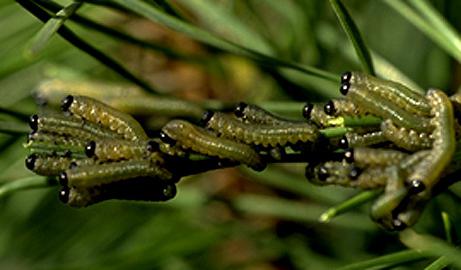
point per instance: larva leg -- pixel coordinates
(375, 104)
(407, 139)
(100, 113)
(199, 140)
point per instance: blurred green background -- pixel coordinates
(227, 219)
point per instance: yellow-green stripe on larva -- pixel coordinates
(114, 150)
(97, 112)
(69, 126)
(201, 141)
(364, 156)
(397, 93)
(428, 171)
(94, 175)
(254, 114)
(229, 127)
(375, 104)
(406, 138)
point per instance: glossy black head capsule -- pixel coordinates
(349, 155)
(63, 181)
(355, 173)
(343, 143)
(322, 173)
(152, 146)
(169, 192)
(166, 139)
(90, 149)
(307, 110)
(346, 77)
(64, 194)
(344, 88)
(416, 186)
(398, 225)
(239, 109)
(206, 117)
(33, 122)
(329, 108)
(30, 162)
(66, 103)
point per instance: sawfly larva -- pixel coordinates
(188, 136)
(97, 112)
(407, 139)
(291, 133)
(100, 174)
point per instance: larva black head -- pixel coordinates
(169, 192)
(63, 181)
(33, 122)
(166, 139)
(239, 109)
(206, 117)
(346, 77)
(64, 194)
(90, 149)
(343, 143)
(66, 102)
(344, 89)
(30, 162)
(349, 155)
(322, 173)
(307, 110)
(329, 108)
(398, 225)
(73, 165)
(416, 186)
(152, 146)
(259, 167)
(355, 173)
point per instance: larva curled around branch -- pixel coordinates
(104, 115)
(138, 189)
(190, 137)
(290, 133)
(100, 174)
(397, 93)
(373, 103)
(407, 139)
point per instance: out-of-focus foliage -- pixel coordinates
(286, 50)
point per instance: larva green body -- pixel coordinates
(264, 135)
(138, 189)
(253, 114)
(52, 148)
(353, 139)
(115, 150)
(405, 138)
(342, 107)
(375, 104)
(52, 165)
(199, 140)
(364, 157)
(100, 113)
(149, 106)
(429, 170)
(69, 126)
(397, 93)
(54, 139)
(100, 174)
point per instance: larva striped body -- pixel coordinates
(404, 138)
(199, 140)
(100, 113)
(229, 127)
(397, 93)
(352, 139)
(364, 157)
(115, 150)
(52, 165)
(373, 103)
(428, 171)
(53, 148)
(253, 114)
(100, 174)
(143, 189)
(69, 126)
